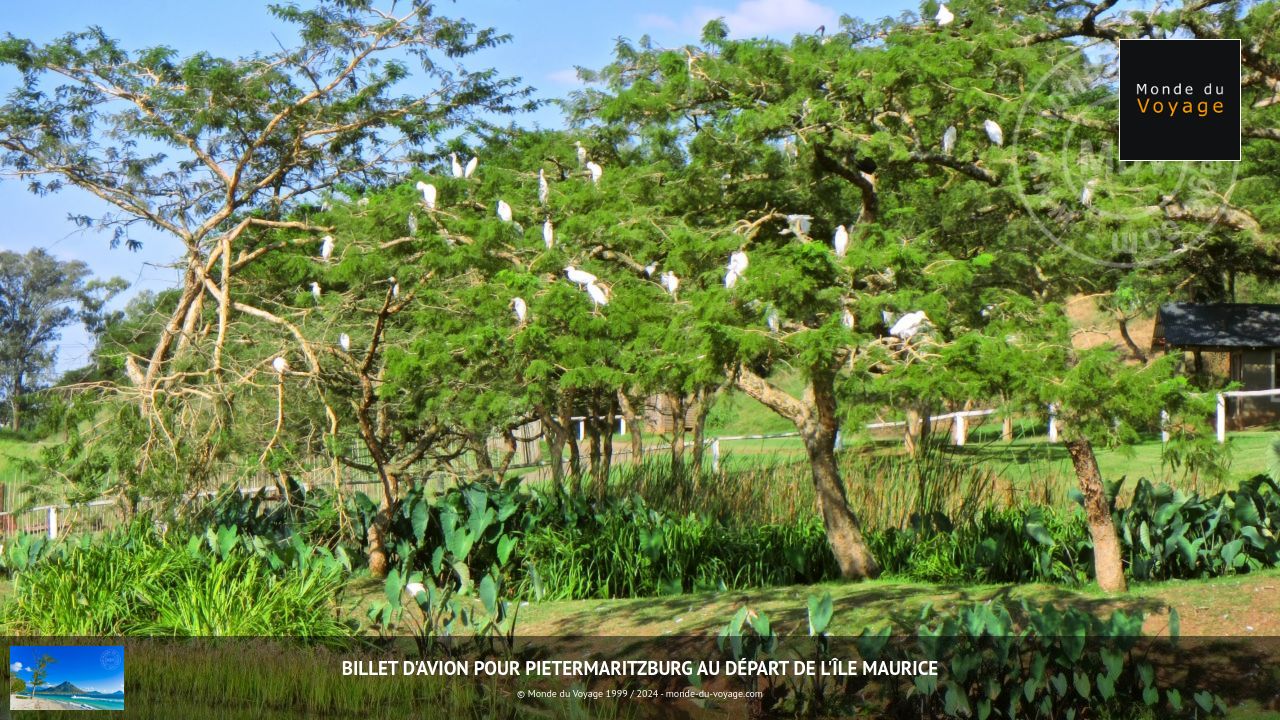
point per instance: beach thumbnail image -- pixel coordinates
(66, 677)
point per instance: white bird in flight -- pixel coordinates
(949, 139)
(799, 224)
(737, 266)
(582, 152)
(344, 342)
(580, 277)
(599, 296)
(520, 308)
(596, 171)
(993, 131)
(315, 291)
(548, 234)
(841, 241)
(471, 167)
(670, 282)
(428, 194)
(504, 211)
(280, 364)
(944, 16)
(454, 165)
(908, 325)
(544, 190)
(326, 248)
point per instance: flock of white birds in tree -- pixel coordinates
(908, 325)
(737, 266)
(428, 194)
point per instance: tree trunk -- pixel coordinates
(635, 425)
(675, 404)
(1107, 563)
(13, 412)
(376, 538)
(1123, 323)
(912, 432)
(1006, 429)
(610, 420)
(702, 405)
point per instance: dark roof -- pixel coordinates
(1226, 325)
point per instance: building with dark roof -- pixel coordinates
(1247, 333)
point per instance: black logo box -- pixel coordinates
(1180, 66)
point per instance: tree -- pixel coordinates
(40, 673)
(39, 297)
(211, 151)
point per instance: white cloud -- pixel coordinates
(567, 76)
(754, 18)
(16, 667)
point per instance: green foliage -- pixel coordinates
(16, 685)
(135, 582)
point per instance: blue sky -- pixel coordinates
(549, 40)
(88, 667)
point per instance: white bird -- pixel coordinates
(414, 588)
(908, 325)
(280, 364)
(596, 171)
(599, 296)
(581, 277)
(315, 291)
(944, 16)
(454, 165)
(544, 190)
(428, 194)
(471, 167)
(521, 309)
(846, 318)
(799, 224)
(1086, 195)
(413, 224)
(326, 248)
(737, 266)
(772, 320)
(582, 152)
(993, 131)
(841, 241)
(504, 211)
(650, 269)
(949, 139)
(548, 233)
(395, 286)
(344, 342)
(670, 282)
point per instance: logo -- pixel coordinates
(112, 658)
(1179, 100)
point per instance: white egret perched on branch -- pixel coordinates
(544, 190)
(326, 248)
(471, 167)
(548, 234)
(596, 171)
(908, 325)
(650, 269)
(841, 241)
(949, 140)
(580, 277)
(598, 294)
(428, 194)
(737, 266)
(582, 152)
(395, 286)
(1086, 195)
(846, 318)
(504, 211)
(670, 282)
(315, 291)
(772, 320)
(344, 342)
(454, 166)
(944, 16)
(521, 309)
(993, 131)
(280, 364)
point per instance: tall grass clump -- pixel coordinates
(137, 582)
